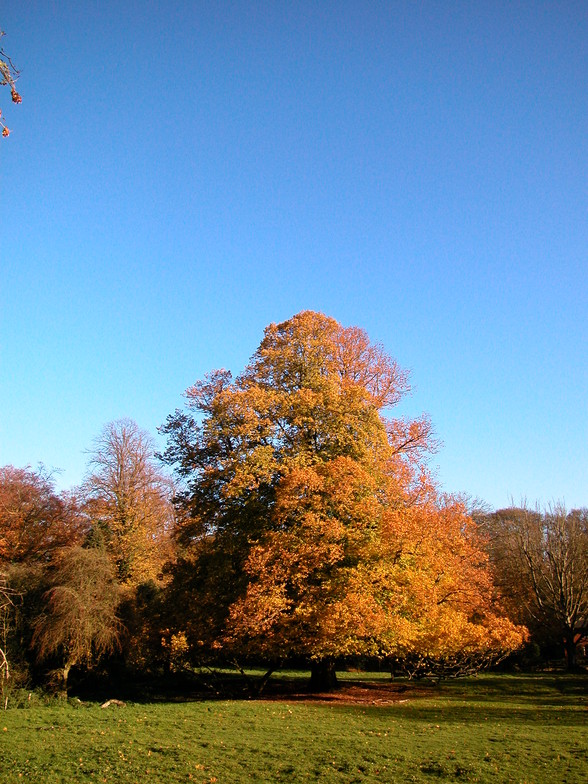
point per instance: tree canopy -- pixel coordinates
(34, 520)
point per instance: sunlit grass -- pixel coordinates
(489, 729)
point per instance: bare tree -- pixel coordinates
(541, 559)
(128, 500)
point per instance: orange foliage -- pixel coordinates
(34, 521)
(343, 573)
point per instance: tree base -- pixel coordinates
(571, 653)
(323, 676)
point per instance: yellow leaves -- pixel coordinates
(177, 648)
(254, 468)
(340, 492)
(312, 350)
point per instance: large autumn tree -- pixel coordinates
(310, 524)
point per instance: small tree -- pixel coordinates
(6, 611)
(80, 623)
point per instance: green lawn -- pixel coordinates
(496, 728)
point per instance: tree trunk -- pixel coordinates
(570, 648)
(323, 676)
(64, 677)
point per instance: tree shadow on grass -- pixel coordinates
(541, 699)
(564, 716)
(543, 690)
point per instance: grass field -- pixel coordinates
(495, 728)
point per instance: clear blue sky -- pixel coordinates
(180, 174)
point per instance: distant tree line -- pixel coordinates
(540, 566)
(300, 523)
